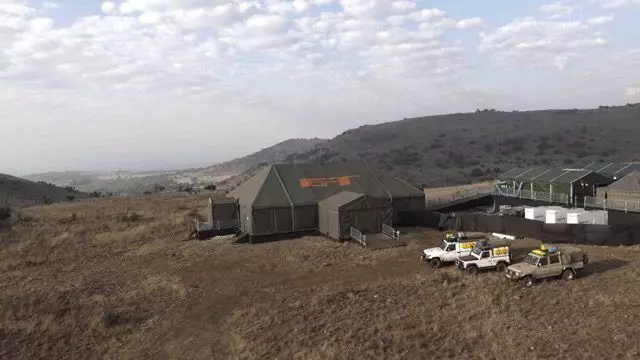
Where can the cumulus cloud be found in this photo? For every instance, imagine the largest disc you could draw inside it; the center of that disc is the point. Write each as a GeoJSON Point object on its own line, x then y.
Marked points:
{"type": "Point", "coordinates": [615, 4]}
{"type": "Point", "coordinates": [250, 62]}
{"type": "Point", "coordinates": [530, 41]}
{"type": "Point", "coordinates": [558, 9]}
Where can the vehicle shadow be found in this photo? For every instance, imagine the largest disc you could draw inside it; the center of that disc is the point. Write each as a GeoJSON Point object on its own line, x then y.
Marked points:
{"type": "Point", "coordinates": [597, 267]}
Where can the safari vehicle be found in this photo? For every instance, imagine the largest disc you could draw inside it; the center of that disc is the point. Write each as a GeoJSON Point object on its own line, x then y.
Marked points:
{"type": "Point", "coordinates": [452, 247]}
{"type": "Point", "coordinates": [485, 256]}
{"type": "Point", "coordinates": [548, 261]}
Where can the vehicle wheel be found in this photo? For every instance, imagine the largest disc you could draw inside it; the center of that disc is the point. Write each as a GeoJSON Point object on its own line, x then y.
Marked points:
{"type": "Point", "coordinates": [435, 263]}
{"type": "Point", "coordinates": [472, 270]}
{"type": "Point", "coordinates": [527, 281]}
{"type": "Point", "coordinates": [501, 267]}
{"type": "Point", "coordinates": [568, 275]}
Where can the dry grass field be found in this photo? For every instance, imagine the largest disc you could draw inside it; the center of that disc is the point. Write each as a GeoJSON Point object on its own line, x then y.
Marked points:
{"type": "Point", "coordinates": [116, 279]}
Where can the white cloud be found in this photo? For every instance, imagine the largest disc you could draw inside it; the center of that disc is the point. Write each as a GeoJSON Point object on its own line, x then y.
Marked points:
{"type": "Point", "coordinates": [634, 91]}
{"type": "Point", "coordinates": [470, 23]}
{"type": "Point", "coordinates": [135, 66]}
{"type": "Point", "coordinates": [50, 5]}
{"type": "Point", "coordinates": [533, 42]}
{"type": "Point", "coordinates": [615, 4]}
{"type": "Point", "coordinates": [558, 9]}
{"type": "Point", "coordinates": [108, 7]}
{"type": "Point", "coordinates": [600, 20]}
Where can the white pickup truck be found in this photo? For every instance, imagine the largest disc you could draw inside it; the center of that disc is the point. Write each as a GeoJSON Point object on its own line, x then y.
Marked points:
{"type": "Point", "coordinates": [452, 247]}
{"type": "Point", "coordinates": [485, 256]}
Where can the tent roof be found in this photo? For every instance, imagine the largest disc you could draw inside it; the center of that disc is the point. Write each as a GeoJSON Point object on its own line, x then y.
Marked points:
{"type": "Point", "coordinates": [613, 169]}
{"type": "Point", "coordinates": [222, 200]}
{"type": "Point", "coordinates": [335, 202]}
{"type": "Point", "coordinates": [543, 175]}
{"type": "Point", "coordinates": [283, 185]}
{"type": "Point", "coordinates": [629, 183]}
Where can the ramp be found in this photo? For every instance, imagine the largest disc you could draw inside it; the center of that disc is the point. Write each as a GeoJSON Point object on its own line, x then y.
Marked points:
{"type": "Point", "coordinates": [388, 238]}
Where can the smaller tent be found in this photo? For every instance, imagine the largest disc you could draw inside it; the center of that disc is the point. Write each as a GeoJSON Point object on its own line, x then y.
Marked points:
{"type": "Point", "coordinates": [338, 213]}
{"type": "Point", "coordinates": [222, 209]}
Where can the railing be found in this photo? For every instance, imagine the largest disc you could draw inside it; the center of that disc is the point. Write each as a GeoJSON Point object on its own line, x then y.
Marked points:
{"type": "Point", "coordinates": [391, 232]}
{"type": "Point", "coordinates": [606, 204]}
{"type": "Point", "coordinates": [358, 236]}
{"type": "Point", "coordinates": [216, 225]}
{"type": "Point", "coordinates": [534, 195]}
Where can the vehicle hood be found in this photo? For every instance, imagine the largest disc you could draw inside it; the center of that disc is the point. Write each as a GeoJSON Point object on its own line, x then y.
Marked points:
{"type": "Point", "coordinates": [522, 268]}
{"type": "Point", "coordinates": [468, 258]}
{"type": "Point", "coordinates": [432, 251]}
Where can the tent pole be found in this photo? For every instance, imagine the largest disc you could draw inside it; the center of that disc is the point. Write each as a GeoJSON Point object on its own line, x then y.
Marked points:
{"type": "Point", "coordinates": [286, 192]}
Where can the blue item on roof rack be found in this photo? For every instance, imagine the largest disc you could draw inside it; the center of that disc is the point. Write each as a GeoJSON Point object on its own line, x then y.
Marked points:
{"type": "Point", "coordinates": [553, 249]}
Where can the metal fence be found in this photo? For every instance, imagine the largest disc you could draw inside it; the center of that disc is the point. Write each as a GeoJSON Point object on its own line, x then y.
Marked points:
{"type": "Point", "coordinates": [391, 232]}
{"type": "Point", "coordinates": [534, 195]}
{"type": "Point", "coordinates": [358, 236]}
{"type": "Point", "coordinates": [606, 204]}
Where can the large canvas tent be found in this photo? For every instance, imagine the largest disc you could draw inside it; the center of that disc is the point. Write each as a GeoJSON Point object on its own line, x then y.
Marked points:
{"type": "Point", "coordinates": [627, 188]}
{"type": "Point", "coordinates": [569, 182]}
{"type": "Point", "coordinates": [283, 198]}
{"type": "Point", "coordinates": [338, 213]}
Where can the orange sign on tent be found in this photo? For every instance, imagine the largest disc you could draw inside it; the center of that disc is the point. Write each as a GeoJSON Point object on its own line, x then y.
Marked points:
{"type": "Point", "coordinates": [324, 182]}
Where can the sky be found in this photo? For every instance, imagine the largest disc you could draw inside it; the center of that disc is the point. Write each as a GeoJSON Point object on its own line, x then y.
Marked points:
{"type": "Point", "coordinates": [157, 84]}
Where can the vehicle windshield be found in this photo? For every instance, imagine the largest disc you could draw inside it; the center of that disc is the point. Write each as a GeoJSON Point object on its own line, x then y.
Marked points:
{"type": "Point", "coordinates": [532, 260]}
{"type": "Point", "coordinates": [476, 251]}
{"type": "Point", "coordinates": [444, 245]}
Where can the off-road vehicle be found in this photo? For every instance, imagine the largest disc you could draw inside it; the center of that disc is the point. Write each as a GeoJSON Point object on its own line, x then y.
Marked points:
{"type": "Point", "coordinates": [485, 256]}
{"type": "Point", "coordinates": [452, 247]}
{"type": "Point", "coordinates": [548, 261]}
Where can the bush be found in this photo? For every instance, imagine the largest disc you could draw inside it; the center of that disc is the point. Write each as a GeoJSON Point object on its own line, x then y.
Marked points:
{"type": "Point", "coordinates": [5, 213]}
{"type": "Point", "coordinates": [70, 198]}
{"type": "Point", "coordinates": [477, 172]}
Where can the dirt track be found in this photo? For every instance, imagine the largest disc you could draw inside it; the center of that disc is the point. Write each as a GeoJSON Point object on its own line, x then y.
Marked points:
{"type": "Point", "coordinates": [106, 284]}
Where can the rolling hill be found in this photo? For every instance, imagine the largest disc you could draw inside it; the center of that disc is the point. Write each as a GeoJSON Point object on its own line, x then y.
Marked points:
{"type": "Point", "coordinates": [18, 192]}
{"type": "Point", "coordinates": [460, 148]}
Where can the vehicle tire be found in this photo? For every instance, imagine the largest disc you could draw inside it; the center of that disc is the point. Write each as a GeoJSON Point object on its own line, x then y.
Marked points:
{"type": "Point", "coordinates": [527, 281]}
{"type": "Point", "coordinates": [501, 267]}
{"type": "Point", "coordinates": [435, 263]}
{"type": "Point", "coordinates": [568, 275]}
{"type": "Point", "coordinates": [472, 270]}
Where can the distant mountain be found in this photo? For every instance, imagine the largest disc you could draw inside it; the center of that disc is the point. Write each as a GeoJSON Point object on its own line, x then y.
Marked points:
{"type": "Point", "coordinates": [17, 192]}
{"type": "Point", "coordinates": [281, 152]}
{"type": "Point", "coordinates": [461, 148]}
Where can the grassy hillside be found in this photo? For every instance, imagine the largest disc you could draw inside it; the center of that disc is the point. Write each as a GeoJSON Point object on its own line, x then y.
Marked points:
{"type": "Point", "coordinates": [280, 152]}
{"type": "Point", "coordinates": [457, 148]}
{"type": "Point", "coordinates": [21, 192]}
{"type": "Point", "coordinates": [114, 278]}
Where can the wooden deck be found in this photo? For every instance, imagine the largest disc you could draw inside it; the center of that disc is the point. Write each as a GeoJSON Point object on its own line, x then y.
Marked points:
{"type": "Point", "coordinates": [382, 241]}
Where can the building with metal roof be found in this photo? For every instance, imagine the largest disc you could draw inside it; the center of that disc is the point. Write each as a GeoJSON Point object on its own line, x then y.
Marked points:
{"type": "Point", "coordinates": [570, 182]}
{"type": "Point", "coordinates": [613, 170]}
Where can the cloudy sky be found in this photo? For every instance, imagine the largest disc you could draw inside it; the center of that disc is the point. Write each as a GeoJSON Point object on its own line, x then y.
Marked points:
{"type": "Point", "coordinates": [141, 84]}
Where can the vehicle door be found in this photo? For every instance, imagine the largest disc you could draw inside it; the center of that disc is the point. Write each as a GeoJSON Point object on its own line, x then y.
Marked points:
{"type": "Point", "coordinates": [543, 270]}
{"type": "Point", "coordinates": [555, 265]}
{"type": "Point", "coordinates": [485, 259]}
{"type": "Point", "coordinates": [450, 252]}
